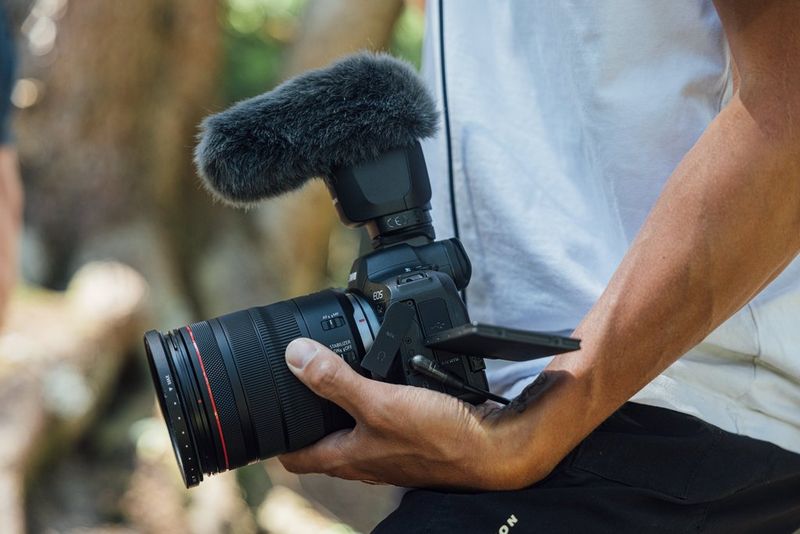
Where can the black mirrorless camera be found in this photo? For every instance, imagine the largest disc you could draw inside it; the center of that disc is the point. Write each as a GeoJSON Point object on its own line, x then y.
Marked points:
{"type": "Point", "coordinates": [228, 397]}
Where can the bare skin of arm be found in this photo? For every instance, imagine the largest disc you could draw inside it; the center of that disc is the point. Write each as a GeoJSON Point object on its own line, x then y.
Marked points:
{"type": "Point", "coordinates": [726, 223]}
{"type": "Point", "coordinates": [10, 222]}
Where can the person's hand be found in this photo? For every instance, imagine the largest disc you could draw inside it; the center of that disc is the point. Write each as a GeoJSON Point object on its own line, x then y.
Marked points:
{"type": "Point", "coordinates": [10, 222]}
{"type": "Point", "coordinates": [410, 436]}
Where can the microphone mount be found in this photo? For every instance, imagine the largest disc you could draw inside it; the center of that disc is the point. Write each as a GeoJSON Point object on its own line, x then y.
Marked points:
{"type": "Point", "coordinates": [389, 195]}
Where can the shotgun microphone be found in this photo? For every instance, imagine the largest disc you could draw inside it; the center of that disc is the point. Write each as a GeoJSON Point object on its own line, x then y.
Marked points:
{"type": "Point", "coordinates": [349, 113]}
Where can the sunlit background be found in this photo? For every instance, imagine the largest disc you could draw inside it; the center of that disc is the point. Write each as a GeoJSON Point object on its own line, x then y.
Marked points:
{"type": "Point", "coordinates": [119, 237]}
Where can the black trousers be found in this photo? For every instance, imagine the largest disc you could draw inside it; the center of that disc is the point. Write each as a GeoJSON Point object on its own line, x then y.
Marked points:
{"type": "Point", "coordinates": [644, 470]}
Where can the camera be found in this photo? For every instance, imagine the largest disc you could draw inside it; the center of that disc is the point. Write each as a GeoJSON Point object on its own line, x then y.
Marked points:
{"type": "Point", "coordinates": [223, 386]}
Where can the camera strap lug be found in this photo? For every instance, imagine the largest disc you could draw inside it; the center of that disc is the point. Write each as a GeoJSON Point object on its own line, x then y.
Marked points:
{"type": "Point", "coordinates": [396, 322]}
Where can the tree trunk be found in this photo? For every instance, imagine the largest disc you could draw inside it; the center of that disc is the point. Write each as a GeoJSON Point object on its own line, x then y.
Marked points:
{"type": "Point", "coordinates": [109, 140]}
{"type": "Point", "coordinates": [330, 29]}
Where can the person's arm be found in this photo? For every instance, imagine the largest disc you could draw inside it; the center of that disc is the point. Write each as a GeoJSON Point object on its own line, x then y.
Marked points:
{"type": "Point", "coordinates": [10, 187]}
{"type": "Point", "coordinates": [726, 223]}
{"type": "Point", "coordinates": [10, 222]}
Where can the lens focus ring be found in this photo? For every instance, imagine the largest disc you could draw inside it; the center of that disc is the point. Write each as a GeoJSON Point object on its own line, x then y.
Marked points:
{"type": "Point", "coordinates": [256, 375]}
{"type": "Point", "coordinates": [302, 409]}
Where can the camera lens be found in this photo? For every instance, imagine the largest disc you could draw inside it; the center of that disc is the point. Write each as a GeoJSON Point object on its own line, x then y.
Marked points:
{"type": "Point", "coordinates": [225, 391]}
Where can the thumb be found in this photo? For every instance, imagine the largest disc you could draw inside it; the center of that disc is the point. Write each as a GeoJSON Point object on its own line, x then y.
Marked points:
{"type": "Point", "coordinates": [326, 374]}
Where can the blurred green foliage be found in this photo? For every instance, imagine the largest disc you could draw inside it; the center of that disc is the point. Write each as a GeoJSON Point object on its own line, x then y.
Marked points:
{"type": "Point", "coordinates": [407, 39]}
{"type": "Point", "coordinates": [256, 33]}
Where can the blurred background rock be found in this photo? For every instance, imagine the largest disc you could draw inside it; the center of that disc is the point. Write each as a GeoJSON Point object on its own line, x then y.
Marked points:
{"type": "Point", "coordinates": [108, 98]}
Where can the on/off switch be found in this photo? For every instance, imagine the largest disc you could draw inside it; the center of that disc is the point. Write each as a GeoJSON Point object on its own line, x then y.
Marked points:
{"type": "Point", "coordinates": [350, 357]}
{"type": "Point", "coordinates": [336, 322]}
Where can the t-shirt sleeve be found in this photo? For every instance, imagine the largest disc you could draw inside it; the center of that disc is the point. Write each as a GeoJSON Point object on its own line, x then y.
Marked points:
{"type": "Point", "coordinates": [7, 68]}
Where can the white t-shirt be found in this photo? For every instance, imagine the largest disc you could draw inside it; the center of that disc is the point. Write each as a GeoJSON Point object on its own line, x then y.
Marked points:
{"type": "Point", "coordinates": [565, 120]}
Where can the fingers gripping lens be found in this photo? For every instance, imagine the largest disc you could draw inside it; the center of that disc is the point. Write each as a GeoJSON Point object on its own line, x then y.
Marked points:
{"type": "Point", "coordinates": [226, 393]}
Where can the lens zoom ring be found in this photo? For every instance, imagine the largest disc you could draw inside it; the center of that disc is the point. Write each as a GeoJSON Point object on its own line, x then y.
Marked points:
{"type": "Point", "coordinates": [302, 409]}
{"type": "Point", "coordinates": [223, 394]}
{"type": "Point", "coordinates": [257, 383]}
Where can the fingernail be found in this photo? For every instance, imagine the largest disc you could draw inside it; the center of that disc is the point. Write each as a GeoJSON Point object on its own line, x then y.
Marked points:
{"type": "Point", "coordinates": [300, 352]}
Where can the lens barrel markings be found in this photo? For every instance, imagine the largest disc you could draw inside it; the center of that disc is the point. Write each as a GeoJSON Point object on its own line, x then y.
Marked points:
{"type": "Point", "coordinates": [223, 394]}
{"type": "Point", "coordinates": [172, 406]}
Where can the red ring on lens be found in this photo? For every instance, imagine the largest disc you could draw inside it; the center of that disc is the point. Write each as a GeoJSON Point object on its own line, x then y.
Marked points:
{"type": "Point", "coordinates": [210, 396]}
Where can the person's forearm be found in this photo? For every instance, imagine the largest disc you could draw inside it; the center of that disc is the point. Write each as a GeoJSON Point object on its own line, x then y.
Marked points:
{"type": "Point", "coordinates": [726, 223]}
{"type": "Point", "coordinates": [10, 221]}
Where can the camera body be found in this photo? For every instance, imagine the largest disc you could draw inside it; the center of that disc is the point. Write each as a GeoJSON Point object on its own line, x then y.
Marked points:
{"type": "Point", "coordinates": [407, 267]}
{"type": "Point", "coordinates": [391, 197]}
{"type": "Point", "coordinates": [226, 393]}
{"type": "Point", "coordinates": [427, 279]}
